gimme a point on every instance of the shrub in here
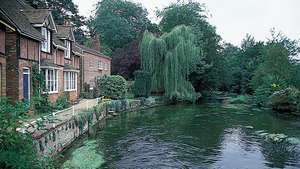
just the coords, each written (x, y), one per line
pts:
(114, 86)
(87, 93)
(62, 102)
(286, 100)
(142, 84)
(240, 99)
(42, 104)
(16, 149)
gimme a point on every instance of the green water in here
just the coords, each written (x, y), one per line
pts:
(211, 135)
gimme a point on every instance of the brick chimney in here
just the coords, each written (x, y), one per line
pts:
(96, 42)
(67, 21)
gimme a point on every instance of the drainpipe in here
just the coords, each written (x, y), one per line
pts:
(39, 57)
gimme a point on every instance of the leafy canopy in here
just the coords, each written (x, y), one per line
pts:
(170, 59)
(119, 22)
(193, 14)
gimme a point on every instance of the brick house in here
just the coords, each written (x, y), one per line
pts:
(22, 45)
(93, 64)
(33, 38)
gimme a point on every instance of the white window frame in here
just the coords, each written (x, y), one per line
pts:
(100, 65)
(26, 71)
(70, 81)
(51, 80)
(46, 44)
(68, 49)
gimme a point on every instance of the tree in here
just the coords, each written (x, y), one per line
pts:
(64, 10)
(119, 22)
(192, 14)
(126, 60)
(170, 60)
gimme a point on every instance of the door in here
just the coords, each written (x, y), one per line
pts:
(26, 84)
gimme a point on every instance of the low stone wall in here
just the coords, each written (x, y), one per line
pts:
(57, 137)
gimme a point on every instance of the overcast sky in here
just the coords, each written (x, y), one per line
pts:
(234, 18)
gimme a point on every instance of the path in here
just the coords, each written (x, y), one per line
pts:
(57, 118)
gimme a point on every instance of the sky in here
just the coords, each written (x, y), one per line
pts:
(233, 19)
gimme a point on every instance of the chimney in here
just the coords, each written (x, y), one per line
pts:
(96, 42)
(67, 21)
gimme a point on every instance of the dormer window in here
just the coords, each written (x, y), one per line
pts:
(46, 44)
(68, 49)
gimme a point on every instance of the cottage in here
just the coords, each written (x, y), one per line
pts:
(22, 44)
(30, 37)
(94, 64)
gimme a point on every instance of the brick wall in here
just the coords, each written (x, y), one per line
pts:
(90, 68)
(12, 73)
(2, 41)
(3, 75)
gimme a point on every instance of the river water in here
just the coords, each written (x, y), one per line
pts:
(211, 135)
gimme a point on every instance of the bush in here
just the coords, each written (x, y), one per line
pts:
(16, 149)
(286, 100)
(142, 84)
(240, 99)
(87, 93)
(114, 87)
(42, 104)
(62, 102)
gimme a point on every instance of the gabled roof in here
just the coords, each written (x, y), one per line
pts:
(12, 11)
(77, 50)
(92, 51)
(58, 43)
(65, 32)
(39, 17)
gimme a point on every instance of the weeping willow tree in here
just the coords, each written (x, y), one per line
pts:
(153, 51)
(170, 59)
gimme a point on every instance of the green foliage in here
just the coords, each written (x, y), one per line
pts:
(142, 84)
(62, 102)
(170, 60)
(273, 73)
(181, 14)
(87, 93)
(16, 149)
(240, 99)
(119, 22)
(192, 14)
(286, 100)
(113, 86)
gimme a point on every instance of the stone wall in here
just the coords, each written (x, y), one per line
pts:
(55, 137)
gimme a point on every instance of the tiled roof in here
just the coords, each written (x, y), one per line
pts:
(57, 41)
(47, 63)
(65, 32)
(13, 11)
(77, 49)
(92, 51)
(37, 16)
(69, 67)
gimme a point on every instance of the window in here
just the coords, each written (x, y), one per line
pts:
(51, 79)
(68, 50)
(70, 79)
(107, 66)
(100, 65)
(46, 44)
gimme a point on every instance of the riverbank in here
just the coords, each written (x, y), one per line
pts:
(53, 135)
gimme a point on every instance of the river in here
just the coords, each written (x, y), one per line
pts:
(211, 135)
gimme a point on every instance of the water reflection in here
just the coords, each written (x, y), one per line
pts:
(206, 136)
